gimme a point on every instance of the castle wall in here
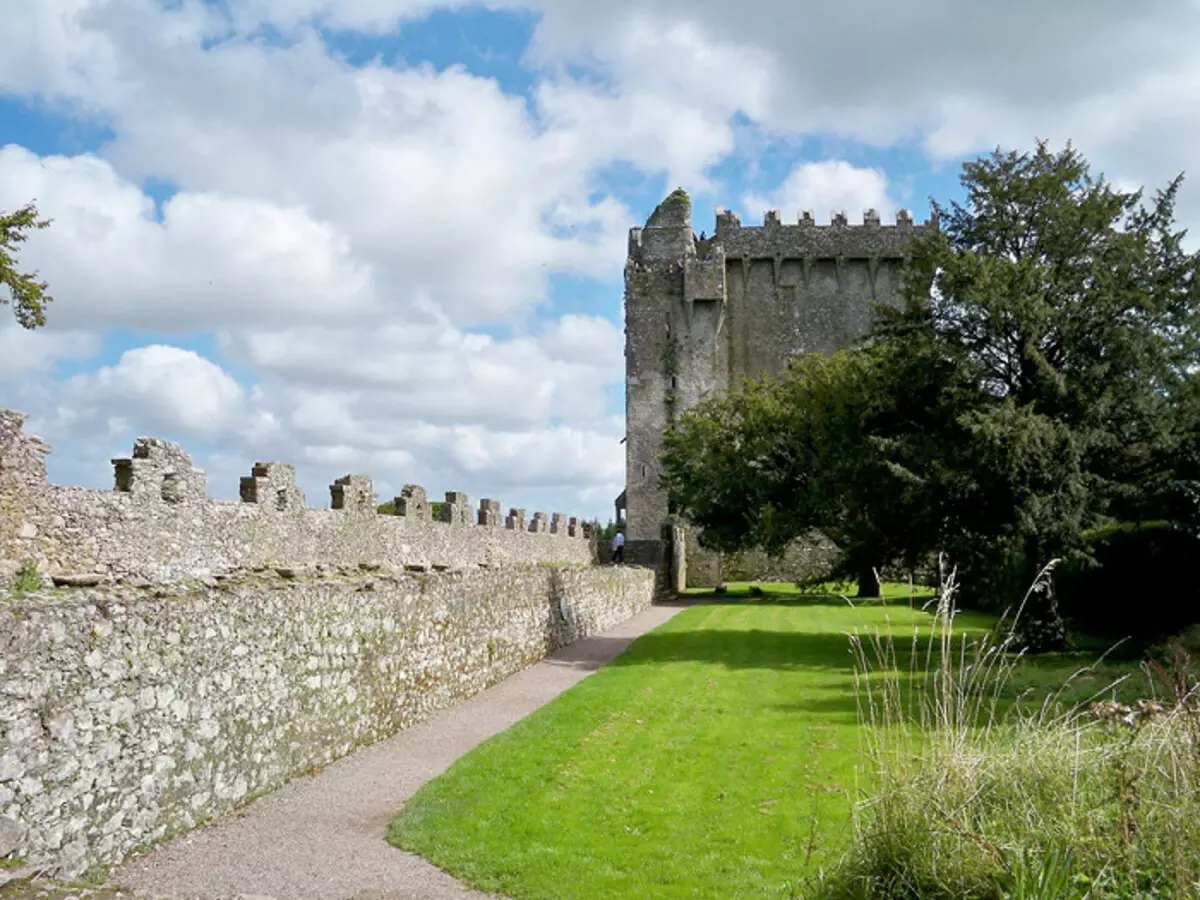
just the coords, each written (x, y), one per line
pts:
(703, 314)
(810, 559)
(159, 523)
(128, 714)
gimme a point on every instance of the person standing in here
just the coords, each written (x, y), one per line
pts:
(618, 548)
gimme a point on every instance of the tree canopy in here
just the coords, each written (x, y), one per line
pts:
(28, 296)
(1039, 380)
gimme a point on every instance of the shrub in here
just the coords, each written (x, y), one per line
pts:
(1139, 582)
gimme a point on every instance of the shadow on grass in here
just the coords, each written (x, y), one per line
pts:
(738, 649)
(787, 595)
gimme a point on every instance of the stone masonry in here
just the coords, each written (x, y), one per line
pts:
(128, 714)
(169, 657)
(159, 523)
(703, 313)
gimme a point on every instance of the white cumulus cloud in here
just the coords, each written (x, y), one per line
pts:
(824, 188)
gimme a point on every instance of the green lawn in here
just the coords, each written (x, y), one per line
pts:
(717, 757)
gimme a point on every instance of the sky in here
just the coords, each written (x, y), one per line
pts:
(387, 236)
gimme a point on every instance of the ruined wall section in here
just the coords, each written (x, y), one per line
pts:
(129, 714)
(159, 523)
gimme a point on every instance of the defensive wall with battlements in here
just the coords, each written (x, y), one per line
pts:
(159, 523)
(182, 656)
(704, 312)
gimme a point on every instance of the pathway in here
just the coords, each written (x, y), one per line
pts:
(323, 837)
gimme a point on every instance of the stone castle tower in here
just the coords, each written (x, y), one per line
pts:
(701, 313)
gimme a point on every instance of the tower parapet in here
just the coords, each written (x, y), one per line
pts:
(806, 239)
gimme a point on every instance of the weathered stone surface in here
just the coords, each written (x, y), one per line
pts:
(12, 833)
(272, 484)
(809, 558)
(160, 470)
(353, 492)
(79, 580)
(413, 503)
(128, 715)
(456, 510)
(159, 524)
(489, 513)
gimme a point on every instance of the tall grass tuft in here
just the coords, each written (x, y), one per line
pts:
(975, 795)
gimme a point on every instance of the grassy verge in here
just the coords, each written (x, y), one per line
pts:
(1053, 800)
(717, 757)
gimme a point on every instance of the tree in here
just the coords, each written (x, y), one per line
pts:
(1074, 309)
(1039, 381)
(815, 449)
(28, 296)
(604, 532)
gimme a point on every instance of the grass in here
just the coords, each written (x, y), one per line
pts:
(28, 578)
(1053, 801)
(717, 757)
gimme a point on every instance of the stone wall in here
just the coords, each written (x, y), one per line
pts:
(130, 713)
(807, 560)
(159, 523)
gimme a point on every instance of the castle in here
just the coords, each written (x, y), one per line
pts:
(166, 657)
(701, 313)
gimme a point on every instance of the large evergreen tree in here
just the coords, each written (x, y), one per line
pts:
(1074, 309)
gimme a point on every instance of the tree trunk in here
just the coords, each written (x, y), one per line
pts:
(868, 584)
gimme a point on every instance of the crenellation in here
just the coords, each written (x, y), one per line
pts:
(159, 523)
(353, 493)
(22, 456)
(574, 527)
(272, 485)
(808, 241)
(558, 523)
(539, 524)
(727, 221)
(159, 470)
(489, 513)
(457, 509)
(413, 503)
(771, 219)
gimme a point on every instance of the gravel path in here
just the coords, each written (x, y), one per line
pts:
(323, 837)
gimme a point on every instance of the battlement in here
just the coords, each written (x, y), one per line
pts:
(159, 522)
(806, 239)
